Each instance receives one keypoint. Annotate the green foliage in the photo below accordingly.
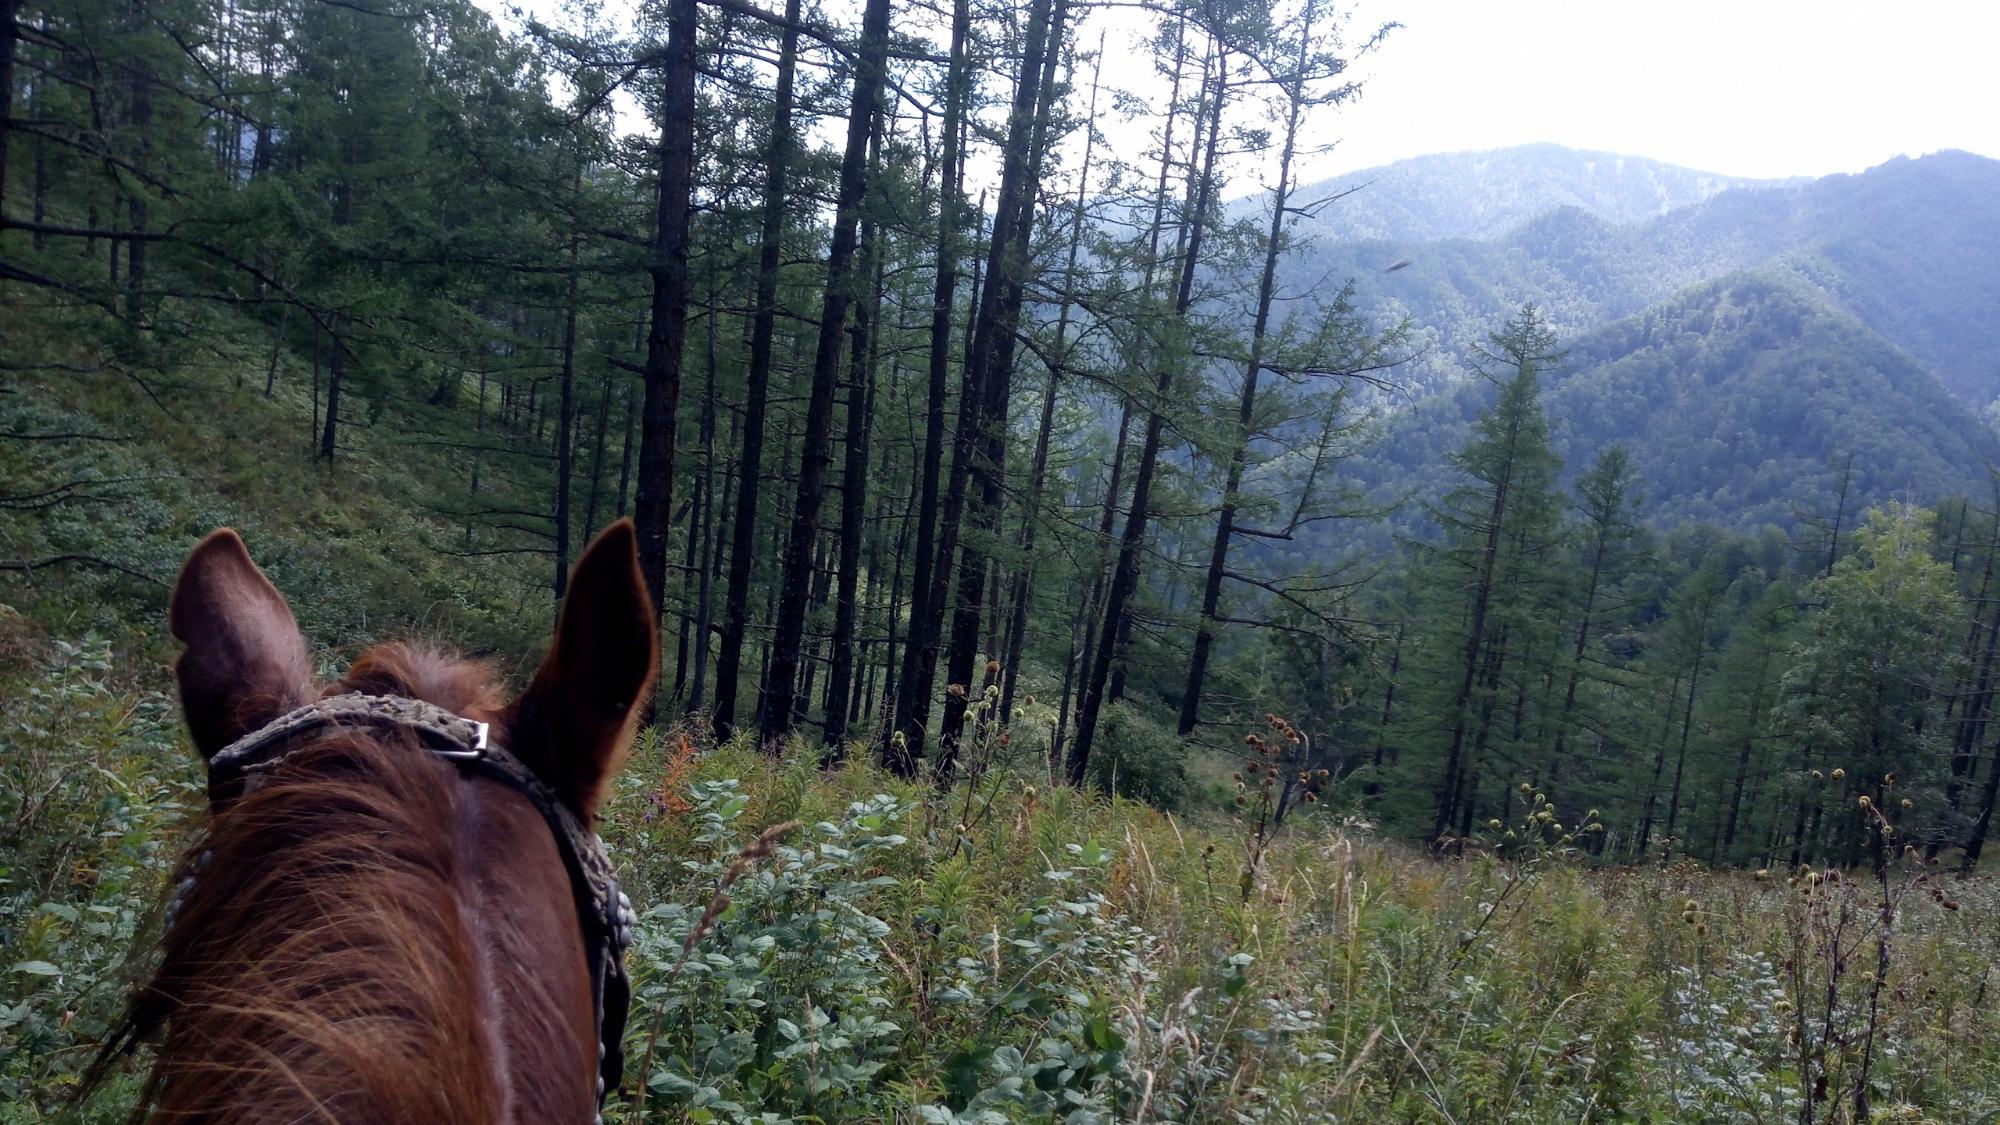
(1867, 673)
(1142, 759)
(94, 788)
(785, 1006)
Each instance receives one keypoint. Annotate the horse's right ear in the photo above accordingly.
(246, 662)
(575, 721)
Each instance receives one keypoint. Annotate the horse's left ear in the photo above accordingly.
(245, 662)
(575, 721)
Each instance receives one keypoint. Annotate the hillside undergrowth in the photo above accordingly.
(1008, 950)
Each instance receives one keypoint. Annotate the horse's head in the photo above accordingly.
(367, 931)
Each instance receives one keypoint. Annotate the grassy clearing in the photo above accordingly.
(1036, 953)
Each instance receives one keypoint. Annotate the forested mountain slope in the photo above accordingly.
(1739, 399)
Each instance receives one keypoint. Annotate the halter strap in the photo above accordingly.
(602, 908)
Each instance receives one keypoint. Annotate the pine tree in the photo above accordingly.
(1497, 528)
(1865, 682)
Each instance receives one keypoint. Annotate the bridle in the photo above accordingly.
(604, 911)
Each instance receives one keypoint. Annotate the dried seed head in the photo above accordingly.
(1840, 775)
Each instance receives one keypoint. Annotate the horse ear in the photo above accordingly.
(575, 721)
(245, 662)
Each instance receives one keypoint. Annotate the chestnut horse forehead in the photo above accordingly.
(599, 911)
(434, 675)
(514, 885)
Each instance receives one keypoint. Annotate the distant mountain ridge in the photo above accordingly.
(1910, 247)
(1482, 195)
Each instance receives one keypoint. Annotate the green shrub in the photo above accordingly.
(1140, 760)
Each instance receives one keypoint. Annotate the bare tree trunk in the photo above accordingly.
(566, 423)
(854, 480)
(10, 11)
(990, 366)
(1125, 578)
(743, 532)
(1017, 627)
(894, 611)
(277, 349)
(142, 124)
(1976, 843)
(312, 433)
(903, 735)
(706, 499)
(1101, 555)
(478, 451)
(1225, 523)
(779, 693)
(667, 335)
(336, 368)
(590, 504)
(1743, 758)
(625, 461)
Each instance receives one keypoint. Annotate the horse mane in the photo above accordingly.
(321, 965)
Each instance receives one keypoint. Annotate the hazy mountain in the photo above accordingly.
(1483, 194)
(1911, 248)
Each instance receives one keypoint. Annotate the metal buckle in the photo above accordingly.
(462, 754)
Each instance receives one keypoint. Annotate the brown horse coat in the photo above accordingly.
(370, 934)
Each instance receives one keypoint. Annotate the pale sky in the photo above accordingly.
(1741, 87)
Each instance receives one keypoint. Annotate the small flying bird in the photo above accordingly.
(1399, 265)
